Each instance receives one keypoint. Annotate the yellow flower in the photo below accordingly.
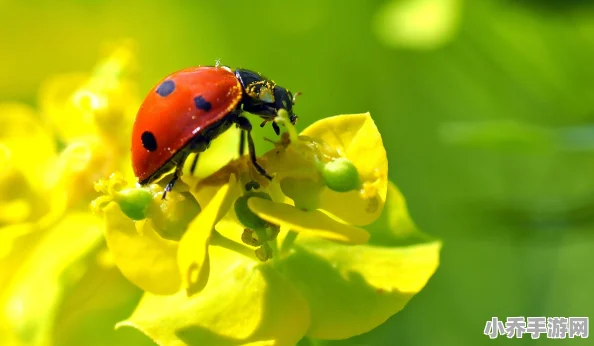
(268, 263)
(26, 152)
(50, 158)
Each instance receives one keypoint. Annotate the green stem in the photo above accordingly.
(274, 246)
(261, 234)
(283, 118)
(288, 241)
(263, 237)
(217, 239)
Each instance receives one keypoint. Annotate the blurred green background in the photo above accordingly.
(486, 109)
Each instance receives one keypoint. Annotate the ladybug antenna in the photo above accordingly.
(295, 96)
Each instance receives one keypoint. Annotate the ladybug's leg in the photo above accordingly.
(176, 174)
(194, 163)
(245, 125)
(276, 128)
(170, 184)
(241, 142)
(266, 112)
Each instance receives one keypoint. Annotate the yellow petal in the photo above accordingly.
(11, 234)
(101, 102)
(19, 202)
(314, 222)
(230, 227)
(15, 244)
(362, 285)
(192, 256)
(146, 259)
(357, 138)
(30, 302)
(55, 100)
(79, 165)
(244, 303)
(399, 221)
(29, 146)
(395, 227)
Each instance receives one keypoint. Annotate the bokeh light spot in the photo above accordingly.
(417, 24)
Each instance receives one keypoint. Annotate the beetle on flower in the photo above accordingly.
(188, 109)
(236, 258)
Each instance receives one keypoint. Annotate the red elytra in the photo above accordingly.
(174, 119)
(186, 110)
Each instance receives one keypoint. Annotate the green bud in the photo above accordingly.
(341, 175)
(245, 215)
(134, 202)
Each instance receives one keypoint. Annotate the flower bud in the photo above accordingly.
(134, 202)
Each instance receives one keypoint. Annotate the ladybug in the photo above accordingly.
(186, 110)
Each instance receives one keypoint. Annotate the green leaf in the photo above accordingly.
(353, 289)
(243, 302)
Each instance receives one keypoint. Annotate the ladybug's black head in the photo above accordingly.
(261, 96)
(284, 99)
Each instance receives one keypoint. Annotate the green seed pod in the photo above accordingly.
(341, 175)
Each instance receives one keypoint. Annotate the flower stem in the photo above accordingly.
(283, 118)
(217, 239)
(288, 241)
(274, 246)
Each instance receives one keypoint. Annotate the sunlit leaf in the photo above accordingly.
(353, 289)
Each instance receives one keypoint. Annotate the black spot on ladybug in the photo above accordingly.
(149, 142)
(166, 88)
(202, 104)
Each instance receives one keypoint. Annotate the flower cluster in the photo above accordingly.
(232, 258)
(50, 157)
(326, 250)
